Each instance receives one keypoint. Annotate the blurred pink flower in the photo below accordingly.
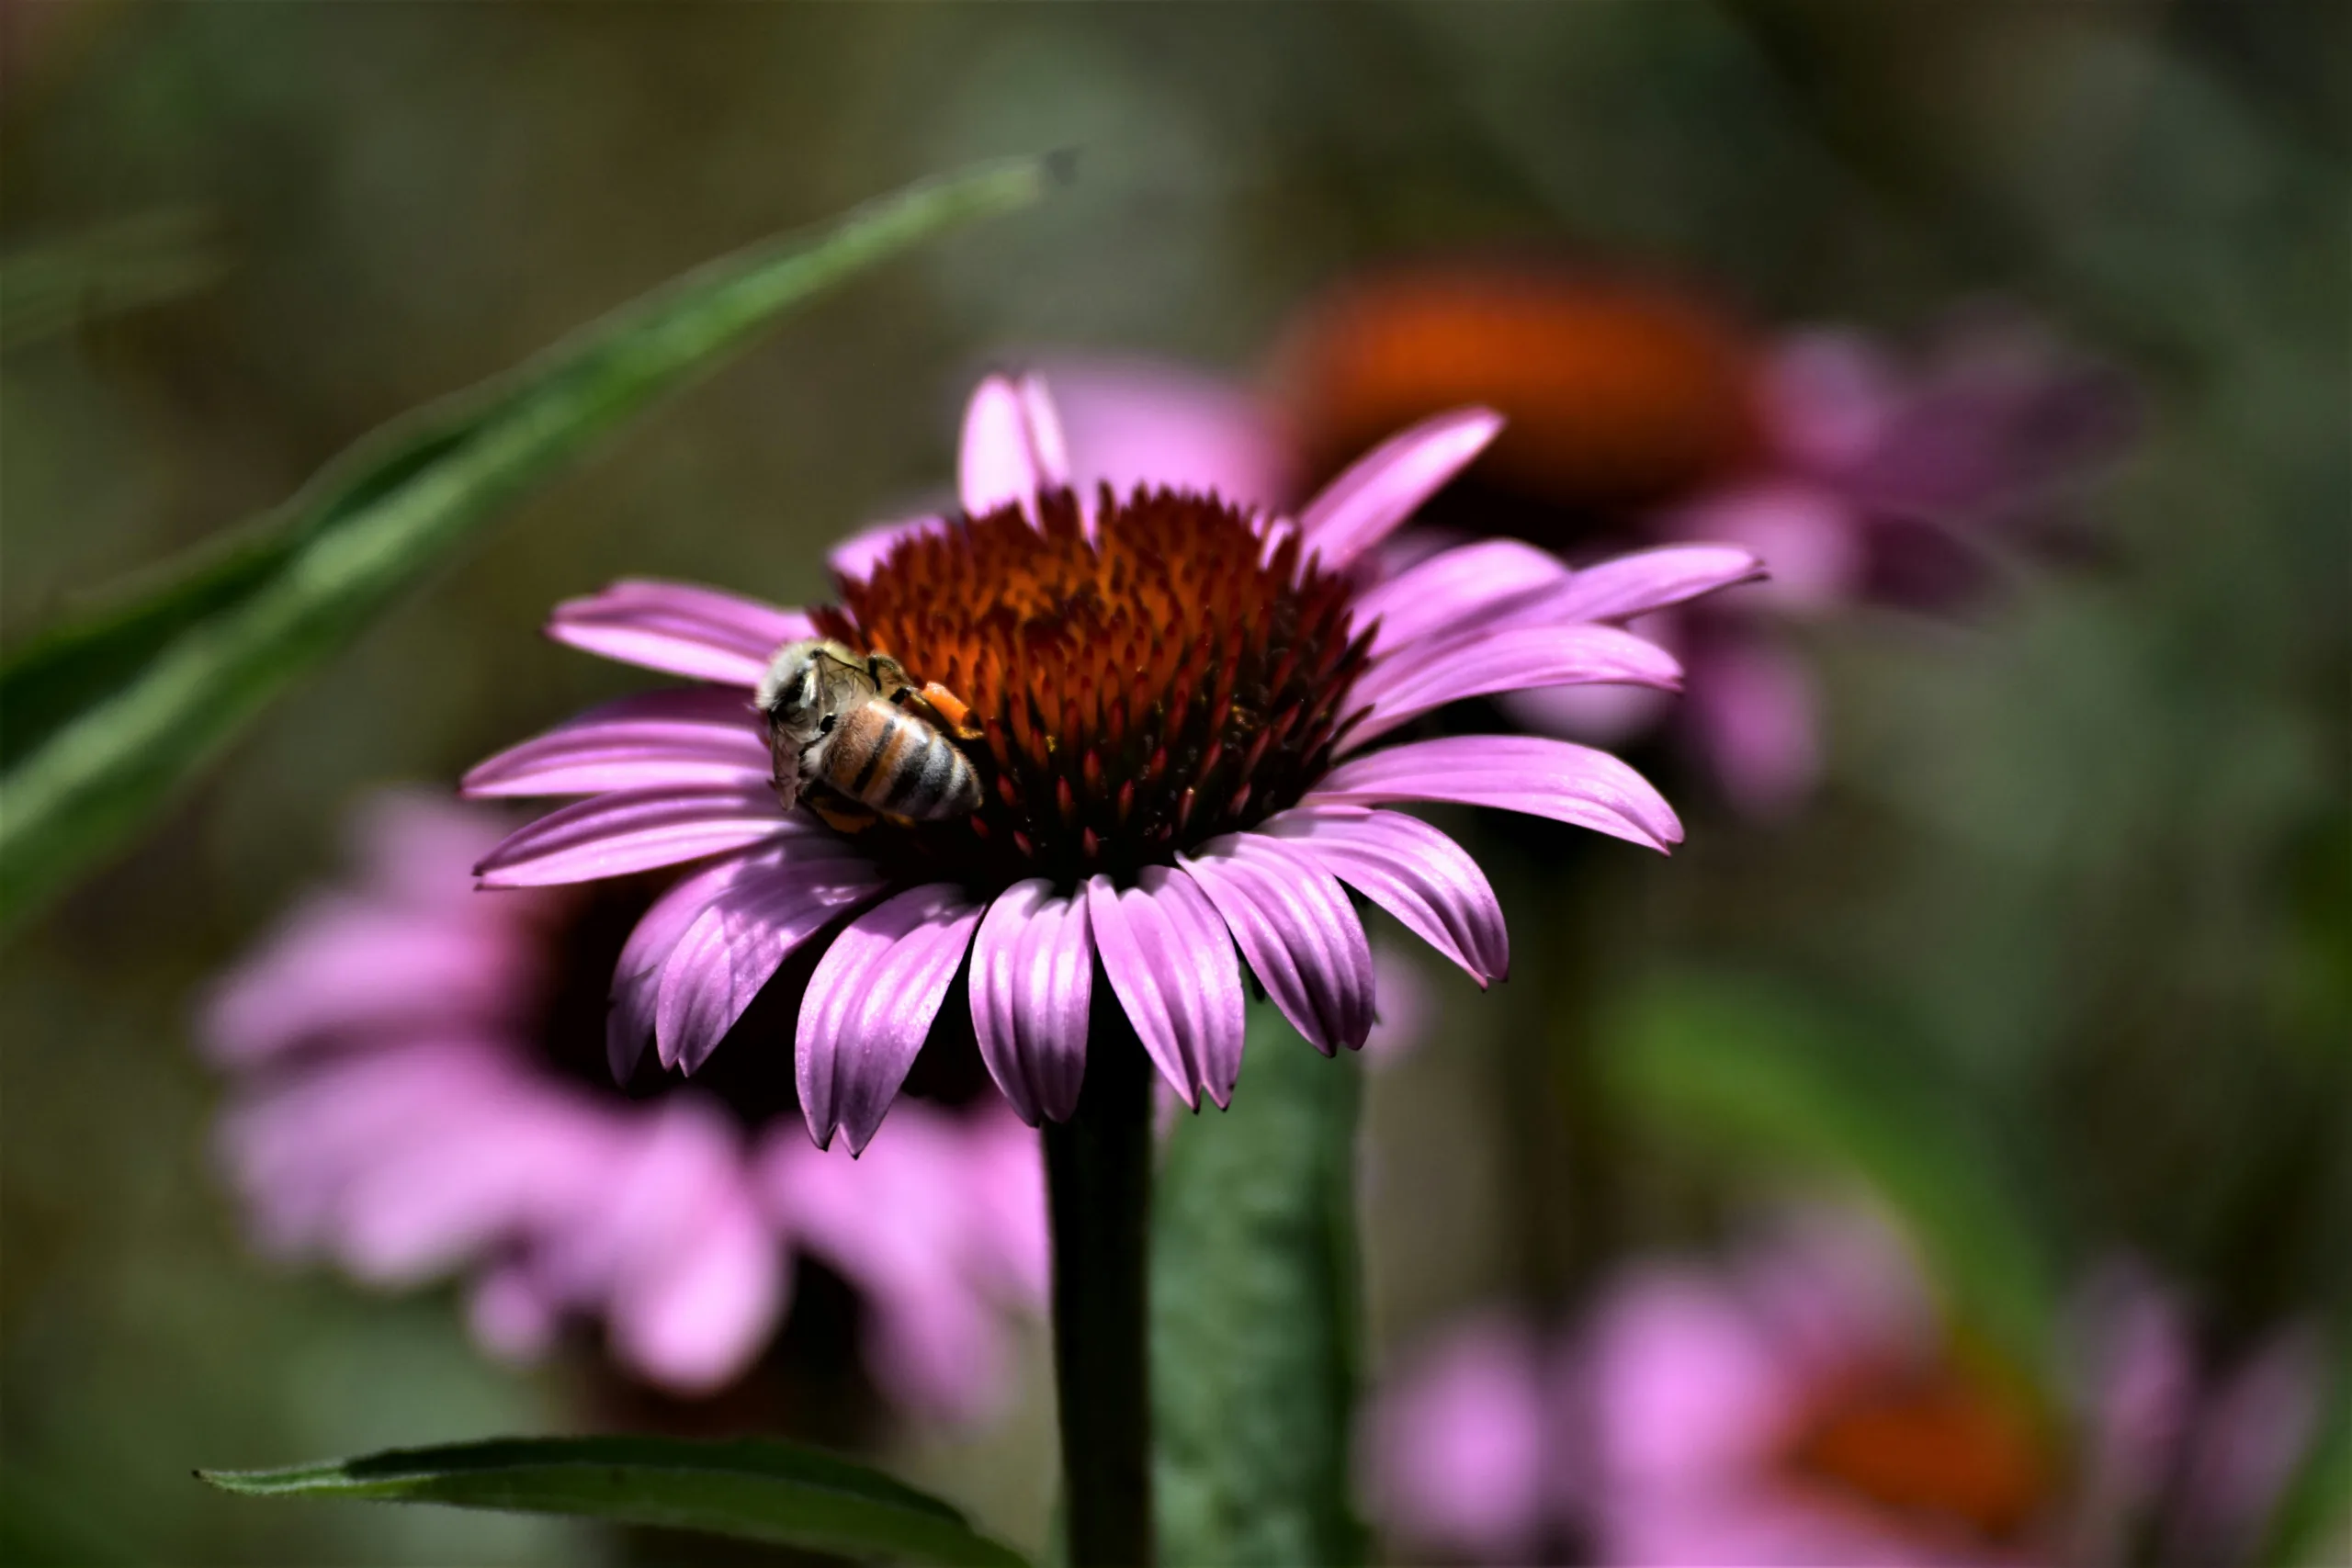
(394, 1107)
(1641, 412)
(1803, 1404)
(1175, 695)
(1879, 482)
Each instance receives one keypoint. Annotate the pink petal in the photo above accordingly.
(472, 1178)
(684, 736)
(511, 1316)
(347, 965)
(1011, 446)
(920, 1227)
(870, 1004)
(637, 977)
(693, 1322)
(632, 830)
(417, 848)
(1753, 709)
(1033, 980)
(1811, 540)
(1828, 395)
(1409, 868)
(1557, 779)
(1386, 485)
(679, 627)
(1044, 423)
(2000, 418)
(1425, 675)
(1459, 1444)
(1626, 586)
(1294, 923)
(1469, 585)
(1170, 961)
(1140, 421)
(856, 557)
(1606, 716)
(1687, 1383)
(750, 925)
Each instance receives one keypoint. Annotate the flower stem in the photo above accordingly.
(1097, 1174)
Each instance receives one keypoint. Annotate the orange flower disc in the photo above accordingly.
(1138, 695)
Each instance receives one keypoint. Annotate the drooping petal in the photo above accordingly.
(1386, 485)
(1011, 446)
(631, 830)
(749, 927)
(1033, 979)
(1478, 584)
(1429, 883)
(1637, 584)
(686, 736)
(679, 627)
(1426, 675)
(693, 1319)
(856, 557)
(1557, 779)
(1169, 960)
(636, 978)
(1294, 925)
(870, 1004)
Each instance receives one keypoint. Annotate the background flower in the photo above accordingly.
(413, 1096)
(1804, 1402)
(2082, 874)
(1639, 411)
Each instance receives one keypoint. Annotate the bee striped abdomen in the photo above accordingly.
(897, 762)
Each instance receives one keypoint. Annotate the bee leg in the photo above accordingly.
(842, 818)
(952, 711)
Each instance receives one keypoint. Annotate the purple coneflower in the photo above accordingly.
(1642, 411)
(1176, 698)
(1179, 698)
(411, 1099)
(1804, 1404)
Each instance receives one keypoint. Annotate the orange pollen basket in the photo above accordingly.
(1944, 1450)
(1137, 694)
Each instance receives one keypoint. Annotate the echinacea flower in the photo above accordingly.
(1641, 412)
(1178, 698)
(1805, 1404)
(414, 1094)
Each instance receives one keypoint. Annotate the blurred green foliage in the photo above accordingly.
(2089, 853)
(1732, 1065)
(110, 714)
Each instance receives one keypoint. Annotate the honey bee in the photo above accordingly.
(857, 724)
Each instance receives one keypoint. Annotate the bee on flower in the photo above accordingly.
(1180, 711)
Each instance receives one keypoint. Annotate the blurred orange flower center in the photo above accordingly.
(1934, 1444)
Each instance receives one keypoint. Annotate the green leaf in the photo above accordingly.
(1712, 1057)
(754, 1489)
(53, 286)
(1254, 1314)
(124, 708)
